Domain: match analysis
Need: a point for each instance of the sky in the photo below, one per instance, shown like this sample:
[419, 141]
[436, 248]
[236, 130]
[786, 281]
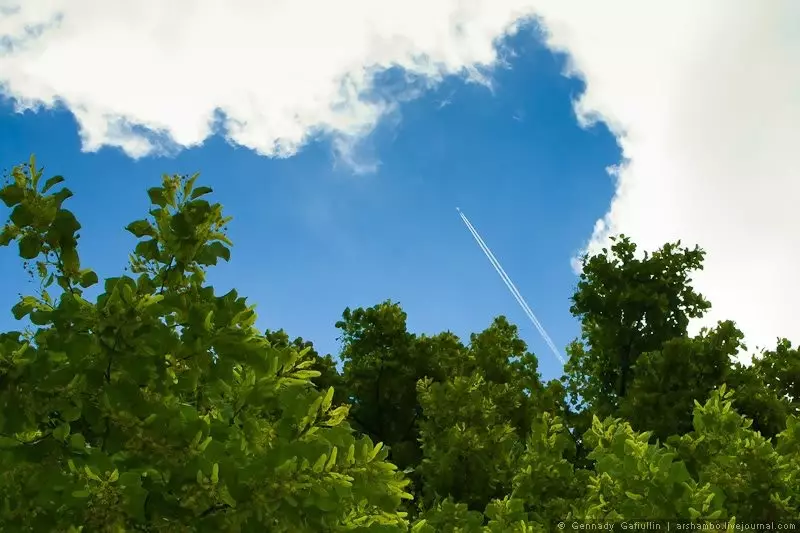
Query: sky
[341, 136]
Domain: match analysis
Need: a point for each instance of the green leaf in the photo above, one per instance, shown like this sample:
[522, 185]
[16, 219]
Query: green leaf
[32, 169]
[22, 216]
[88, 278]
[141, 228]
[326, 401]
[208, 322]
[135, 499]
[374, 452]
[187, 188]
[70, 260]
[7, 443]
[130, 479]
[30, 246]
[52, 182]
[8, 234]
[210, 252]
[40, 317]
[77, 441]
[25, 306]
[61, 196]
[200, 191]
[226, 497]
[11, 195]
[319, 464]
[332, 458]
[62, 431]
[90, 474]
[148, 250]
[65, 223]
[157, 196]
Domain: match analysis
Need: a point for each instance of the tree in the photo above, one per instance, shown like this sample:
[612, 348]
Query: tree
[780, 371]
[757, 401]
[668, 381]
[381, 367]
[328, 375]
[475, 422]
[159, 407]
[755, 480]
[628, 305]
[451, 414]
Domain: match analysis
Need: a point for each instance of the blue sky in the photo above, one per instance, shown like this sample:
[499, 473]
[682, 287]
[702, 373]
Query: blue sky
[696, 107]
[311, 238]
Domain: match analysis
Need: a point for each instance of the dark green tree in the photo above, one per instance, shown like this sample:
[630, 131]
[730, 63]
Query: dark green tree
[668, 381]
[780, 370]
[628, 304]
[767, 390]
[381, 367]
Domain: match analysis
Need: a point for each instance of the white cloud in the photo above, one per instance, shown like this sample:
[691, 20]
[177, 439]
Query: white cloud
[279, 71]
[704, 97]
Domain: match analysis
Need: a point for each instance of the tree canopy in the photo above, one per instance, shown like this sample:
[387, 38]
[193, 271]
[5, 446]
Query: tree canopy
[159, 406]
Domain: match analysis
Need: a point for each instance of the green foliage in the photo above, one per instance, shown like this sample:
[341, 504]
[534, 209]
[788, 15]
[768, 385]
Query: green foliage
[158, 406]
[381, 368]
[546, 481]
[667, 382]
[474, 425]
[469, 447]
[757, 401]
[780, 369]
[633, 478]
[628, 305]
[328, 375]
[752, 478]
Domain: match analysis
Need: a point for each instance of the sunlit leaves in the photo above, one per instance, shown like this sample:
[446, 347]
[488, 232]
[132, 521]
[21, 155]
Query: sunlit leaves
[112, 407]
[160, 406]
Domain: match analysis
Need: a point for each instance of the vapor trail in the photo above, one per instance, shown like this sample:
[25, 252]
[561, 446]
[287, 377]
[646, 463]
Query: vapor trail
[511, 287]
[514, 291]
[506, 279]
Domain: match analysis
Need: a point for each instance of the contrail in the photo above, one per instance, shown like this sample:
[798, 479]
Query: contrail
[511, 287]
